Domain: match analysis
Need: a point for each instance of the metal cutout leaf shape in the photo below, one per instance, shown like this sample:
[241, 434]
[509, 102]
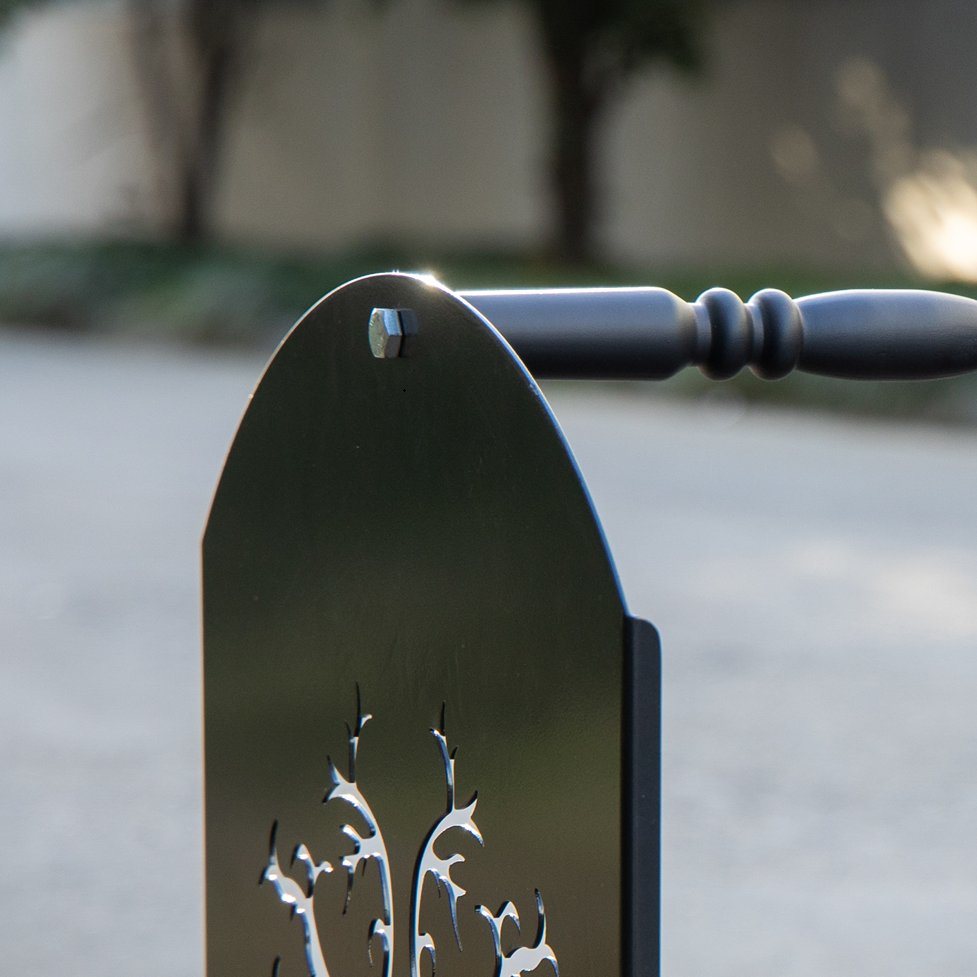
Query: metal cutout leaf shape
[371, 847]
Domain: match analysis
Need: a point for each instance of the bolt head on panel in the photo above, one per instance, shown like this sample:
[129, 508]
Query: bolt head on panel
[386, 333]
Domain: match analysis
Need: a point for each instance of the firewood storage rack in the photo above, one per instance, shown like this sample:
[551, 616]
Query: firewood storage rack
[421, 675]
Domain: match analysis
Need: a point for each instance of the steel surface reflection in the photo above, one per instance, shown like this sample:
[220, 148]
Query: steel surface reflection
[415, 525]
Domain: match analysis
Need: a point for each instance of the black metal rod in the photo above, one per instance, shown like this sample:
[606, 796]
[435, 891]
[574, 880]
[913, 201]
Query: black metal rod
[651, 334]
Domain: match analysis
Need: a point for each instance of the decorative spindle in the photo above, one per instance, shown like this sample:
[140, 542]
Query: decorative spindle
[649, 333]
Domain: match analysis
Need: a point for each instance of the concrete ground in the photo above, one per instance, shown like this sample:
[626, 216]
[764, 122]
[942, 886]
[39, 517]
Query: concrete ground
[815, 583]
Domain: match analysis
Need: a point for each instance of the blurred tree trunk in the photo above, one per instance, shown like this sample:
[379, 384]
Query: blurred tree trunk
[591, 50]
[188, 59]
[578, 110]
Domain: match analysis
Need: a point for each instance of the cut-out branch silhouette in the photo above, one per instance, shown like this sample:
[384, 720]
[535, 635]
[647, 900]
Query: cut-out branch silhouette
[439, 868]
[523, 959]
[431, 863]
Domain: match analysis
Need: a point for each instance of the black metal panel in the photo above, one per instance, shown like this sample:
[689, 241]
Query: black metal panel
[641, 943]
[404, 544]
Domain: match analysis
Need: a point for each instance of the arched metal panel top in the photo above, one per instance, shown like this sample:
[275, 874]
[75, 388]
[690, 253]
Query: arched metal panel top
[400, 533]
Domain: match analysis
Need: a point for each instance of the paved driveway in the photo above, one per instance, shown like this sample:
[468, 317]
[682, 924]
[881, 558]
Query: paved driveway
[815, 582]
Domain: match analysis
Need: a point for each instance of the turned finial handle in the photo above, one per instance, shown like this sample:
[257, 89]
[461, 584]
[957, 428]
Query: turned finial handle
[649, 333]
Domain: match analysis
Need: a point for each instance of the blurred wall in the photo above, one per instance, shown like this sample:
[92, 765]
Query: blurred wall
[830, 132]
[417, 124]
[72, 153]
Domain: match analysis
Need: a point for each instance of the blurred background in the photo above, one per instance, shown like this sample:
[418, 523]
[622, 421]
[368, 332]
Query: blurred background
[180, 179]
[206, 170]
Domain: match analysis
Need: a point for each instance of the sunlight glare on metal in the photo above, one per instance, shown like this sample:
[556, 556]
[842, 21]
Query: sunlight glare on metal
[428, 277]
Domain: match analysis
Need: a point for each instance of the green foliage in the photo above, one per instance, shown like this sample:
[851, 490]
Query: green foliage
[220, 295]
[623, 35]
[201, 294]
[673, 29]
[619, 37]
[10, 7]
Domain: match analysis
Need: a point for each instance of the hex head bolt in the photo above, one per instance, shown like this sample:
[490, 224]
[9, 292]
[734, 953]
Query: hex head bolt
[386, 332]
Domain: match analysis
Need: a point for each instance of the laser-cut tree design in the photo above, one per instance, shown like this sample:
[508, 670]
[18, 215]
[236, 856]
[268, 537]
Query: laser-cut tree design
[370, 847]
[300, 896]
[523, 959]
[430, 863]
[365, 849]
[300, 899]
